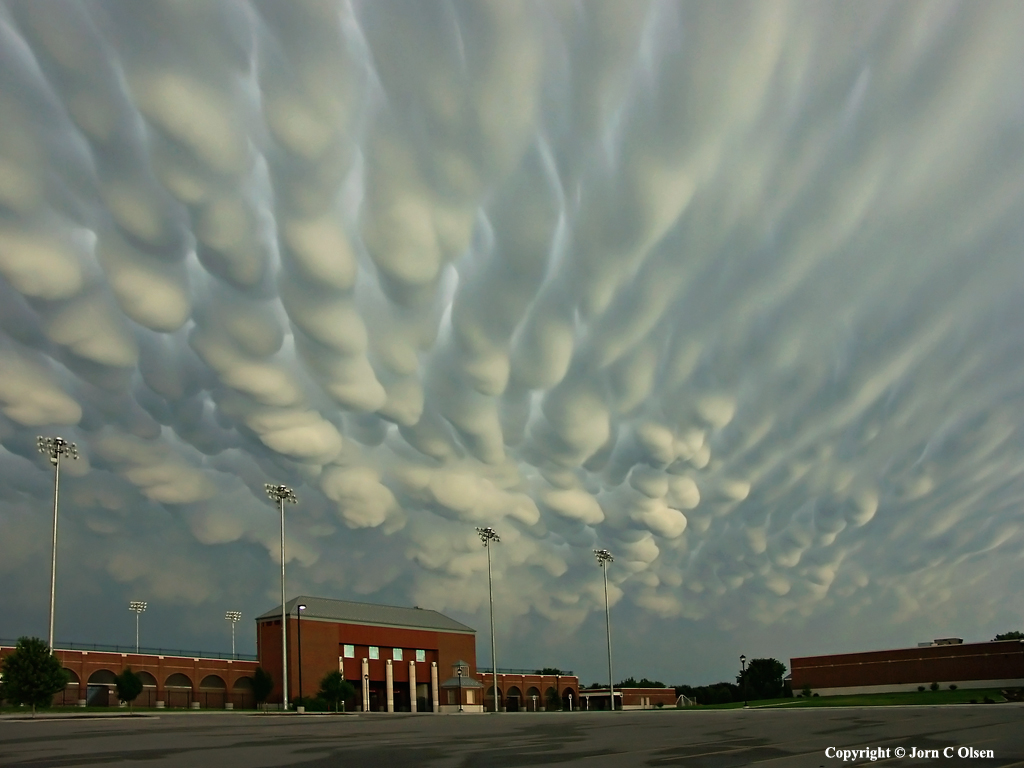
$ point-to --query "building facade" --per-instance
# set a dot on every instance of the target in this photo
(523, 691)
(173, 682)
(996, 664)
(396, 658)
(628, 698)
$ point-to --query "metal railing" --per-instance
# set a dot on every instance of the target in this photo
(513, 671)
(72, 646)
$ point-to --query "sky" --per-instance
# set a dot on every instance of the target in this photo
(732, 290)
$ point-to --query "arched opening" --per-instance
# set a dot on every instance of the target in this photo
(489, 699)
(533, 700)
(551, 700)
(99, 689)
(212, 692)
(148, 681)
(213, 683)
(242, 684)
(570, 699)
(73, 678)
(70, 693)
(178, 690)
(512, 699)
(147, 698)
(241, 696)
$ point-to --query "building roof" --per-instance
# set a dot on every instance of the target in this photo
(346, 611)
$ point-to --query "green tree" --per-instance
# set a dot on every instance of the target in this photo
(554, 701)
(129, 686)
(1014, 635)
(763, 679)
(549, 671)
(262, 685)
(31, 674)
(334, 688)
(629, 682)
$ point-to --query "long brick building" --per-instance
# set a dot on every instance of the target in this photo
(949, 661)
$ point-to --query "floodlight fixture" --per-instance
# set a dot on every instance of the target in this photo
(234, 617)
(604, 558)
(54, 448)
(137, 607)
(282, 494)
(488, 536)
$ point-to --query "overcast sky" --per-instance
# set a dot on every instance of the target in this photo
(735, 291)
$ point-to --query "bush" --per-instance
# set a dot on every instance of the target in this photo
(815, 695)
(952, 686)
(262, 685)
(920, 689)
(32, 674)
(806, 692)
(934, 686)
(129, 686)
(334, 689)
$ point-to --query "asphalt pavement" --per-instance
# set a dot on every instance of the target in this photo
(946, 736)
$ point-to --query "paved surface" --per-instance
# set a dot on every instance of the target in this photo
(712, 739)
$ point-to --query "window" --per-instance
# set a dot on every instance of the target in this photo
(469, 696)
(396, 654)
(374, 652)
(349, 651)
(421, 655)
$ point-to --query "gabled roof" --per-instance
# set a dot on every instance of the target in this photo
(325, 609)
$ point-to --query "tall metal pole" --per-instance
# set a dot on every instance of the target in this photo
(298, 620)
(281, 494)
(54, 448)
(487, 535)
(604, 557)
(233, 617)
(137, 607)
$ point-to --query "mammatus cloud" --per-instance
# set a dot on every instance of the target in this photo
(732, 291)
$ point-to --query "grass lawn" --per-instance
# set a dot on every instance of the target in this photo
(876, 699)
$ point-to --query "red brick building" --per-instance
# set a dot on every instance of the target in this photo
(996, 664)
(396, 658)
(168, 681)
(524, 691)
(629, 698)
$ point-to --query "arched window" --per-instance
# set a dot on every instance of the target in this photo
(178, 680)
(102, 677)
(242, 684)
(72, 676)
(213, 683)
(148, 681)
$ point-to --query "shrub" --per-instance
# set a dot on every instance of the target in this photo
(920, 689)
(934, 686)
(806, 692)
(815, 695)
(952, 686)
(129, 686)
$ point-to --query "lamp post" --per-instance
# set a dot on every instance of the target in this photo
(54, 448)
(234, 617)
(487, 536)
(137, 607)
(604, 557)
(458, 671)
(743, 677)
(298, 621)
(281, 494)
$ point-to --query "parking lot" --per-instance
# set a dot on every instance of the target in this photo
(712, 738)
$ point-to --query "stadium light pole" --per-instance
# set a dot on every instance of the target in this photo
(234, 617)
(487, 536)
(298, 613)
(282, 494)
(137, 607)
(743, 676)
(604, 557)
(54, 448)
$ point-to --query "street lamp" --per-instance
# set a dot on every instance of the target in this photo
(743, 677)
(298, 612)
(604, 557)
(54, 448)
(458, 671)
(137, 607)
(487, 536)
(234, 617)
(281, 494)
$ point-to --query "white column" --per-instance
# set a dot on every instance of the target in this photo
(412, 686)
(433, 685)
(389, 675)
(366, 685)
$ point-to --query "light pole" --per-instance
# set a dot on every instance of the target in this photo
(281, 494)
(54, 448)
(137, 607)
(298, 612)
(234, 617)
(743, 677)
(458, 671)
(487, 536)
(604, 557)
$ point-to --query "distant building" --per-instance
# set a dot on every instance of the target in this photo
(628, 698)
(946, 661)
(396, 658)
(170, 679)
(522, 690)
